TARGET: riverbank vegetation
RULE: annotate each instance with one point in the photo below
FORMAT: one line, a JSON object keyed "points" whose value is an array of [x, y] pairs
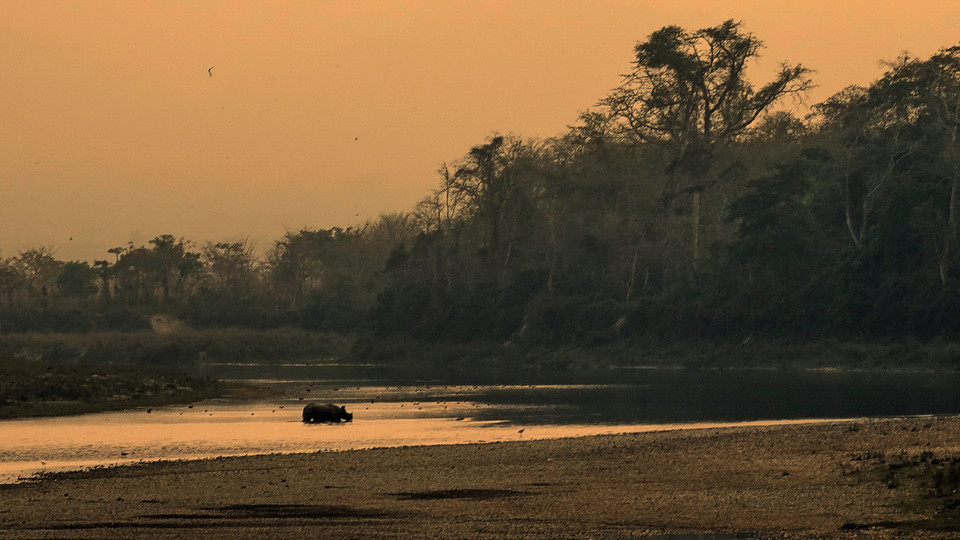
{"points": [[58, 374], [688, 206], [36, 388], [893, 354], [182, 347]]}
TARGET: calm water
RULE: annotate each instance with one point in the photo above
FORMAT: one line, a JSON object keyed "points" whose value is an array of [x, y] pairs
{"points": [[393, 408]]}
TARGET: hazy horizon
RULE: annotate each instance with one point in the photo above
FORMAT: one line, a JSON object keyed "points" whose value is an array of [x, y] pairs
{"points": [[116, 130]]}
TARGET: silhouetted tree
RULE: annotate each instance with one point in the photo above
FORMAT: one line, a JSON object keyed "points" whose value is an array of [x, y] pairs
{"points": [[232, 266], [689, 95], [38, 269], [77, 280], [296, 263]]}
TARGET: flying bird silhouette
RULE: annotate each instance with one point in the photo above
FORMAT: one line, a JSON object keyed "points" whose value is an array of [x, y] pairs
{"points": [[210, 70]]}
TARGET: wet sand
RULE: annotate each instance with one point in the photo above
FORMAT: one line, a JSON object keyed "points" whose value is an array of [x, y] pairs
{"points": [[863, 479]]}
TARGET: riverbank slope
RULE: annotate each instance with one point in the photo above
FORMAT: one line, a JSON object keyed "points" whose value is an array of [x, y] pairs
{"points": [[865, 479]]}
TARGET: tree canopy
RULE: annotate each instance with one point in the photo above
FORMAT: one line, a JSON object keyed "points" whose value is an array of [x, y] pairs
{"points": [[689, 202]]}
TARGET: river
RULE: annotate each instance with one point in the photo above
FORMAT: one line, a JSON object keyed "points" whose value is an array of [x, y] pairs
{"points": [[407, 407]]}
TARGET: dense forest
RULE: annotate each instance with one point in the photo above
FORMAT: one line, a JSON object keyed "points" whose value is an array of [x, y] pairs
{"points": [[688, 202]]}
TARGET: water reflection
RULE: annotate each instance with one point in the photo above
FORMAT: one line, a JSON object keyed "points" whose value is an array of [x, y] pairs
{"points": [[31, 446], [395, 408], [638, 396], [222, 429]]}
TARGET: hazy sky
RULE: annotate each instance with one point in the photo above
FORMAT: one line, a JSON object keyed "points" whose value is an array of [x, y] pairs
{"points": [[330, 113]]}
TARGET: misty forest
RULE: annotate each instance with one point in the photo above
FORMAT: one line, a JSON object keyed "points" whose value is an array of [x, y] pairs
{"points": [[690, 202]]}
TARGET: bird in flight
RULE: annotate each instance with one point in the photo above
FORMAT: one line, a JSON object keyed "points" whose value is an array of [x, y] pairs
{"points": [[210, 70]]}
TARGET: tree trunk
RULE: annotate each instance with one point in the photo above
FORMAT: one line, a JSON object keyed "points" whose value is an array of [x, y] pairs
{"points": [[696, 227], [633, 274], [951, 231], [848, 214], [506, 263]]}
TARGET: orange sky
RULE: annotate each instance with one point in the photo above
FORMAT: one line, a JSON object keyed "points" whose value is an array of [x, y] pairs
{"points": [[330, 113]]}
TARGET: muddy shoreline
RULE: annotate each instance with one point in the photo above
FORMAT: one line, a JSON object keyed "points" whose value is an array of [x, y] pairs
{"points": [[871, 478]]}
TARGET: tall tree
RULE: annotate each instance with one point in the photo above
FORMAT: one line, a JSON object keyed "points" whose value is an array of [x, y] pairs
{"points": [[11, 282], [39, 269], [898, 152], [136, 279], [175, 264], [927, 94], [77, 280], [689, 94], [492, 182], [871, 145], [104, 271], [296, 263], [232, 266]]}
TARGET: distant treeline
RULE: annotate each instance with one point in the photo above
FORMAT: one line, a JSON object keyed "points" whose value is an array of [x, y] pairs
{"points": [[688, 202]]}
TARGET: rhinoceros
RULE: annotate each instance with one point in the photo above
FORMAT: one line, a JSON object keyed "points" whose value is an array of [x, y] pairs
{"points": [[326, 413]]}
